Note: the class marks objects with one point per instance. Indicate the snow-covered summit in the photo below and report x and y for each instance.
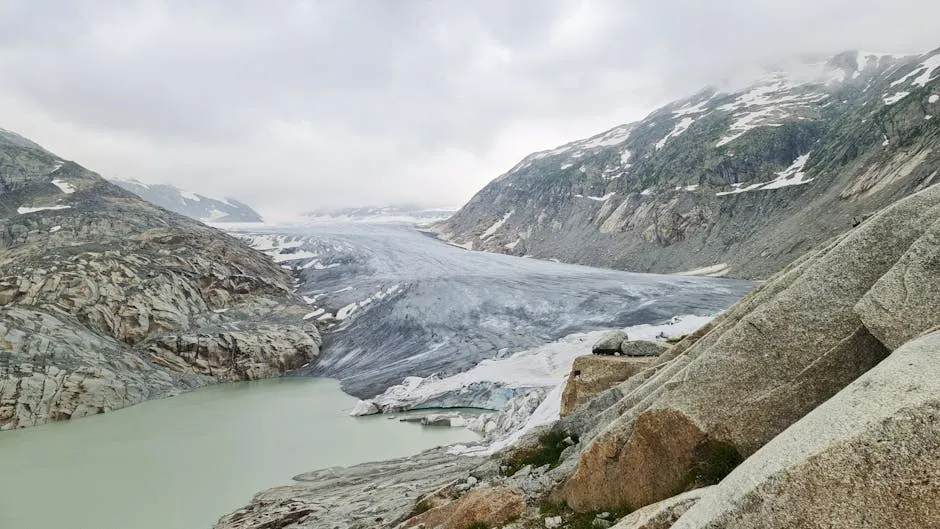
(199, 207)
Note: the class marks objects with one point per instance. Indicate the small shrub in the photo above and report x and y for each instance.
(546, 452)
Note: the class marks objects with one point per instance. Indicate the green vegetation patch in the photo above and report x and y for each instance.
(546, 452)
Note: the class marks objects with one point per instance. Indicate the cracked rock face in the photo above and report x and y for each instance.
(107, 300)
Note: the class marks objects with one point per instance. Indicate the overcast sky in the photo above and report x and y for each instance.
(290, 105)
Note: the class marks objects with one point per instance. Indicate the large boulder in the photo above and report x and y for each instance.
(610, 343)
(642, 348)
(906, 300)
(770, 360)
(487, 506)
(593, 374)
(867, 458)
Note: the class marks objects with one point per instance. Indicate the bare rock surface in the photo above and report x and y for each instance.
(593, 374)
(663, 514)
(107, 300)
(372, 495)
(869, 457)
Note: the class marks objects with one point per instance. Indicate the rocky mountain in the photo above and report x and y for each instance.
(190, 204)
(107, 300)
(725, 182)
(813, 402)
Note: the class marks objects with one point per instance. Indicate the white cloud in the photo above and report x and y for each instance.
(294, 104)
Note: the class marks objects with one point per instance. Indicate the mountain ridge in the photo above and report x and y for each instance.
(746, 181)
(192, 205)
(107, 300)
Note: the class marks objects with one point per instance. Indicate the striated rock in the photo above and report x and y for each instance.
(107, 300)
(770, 360)
(610, 344)
(867, 458)
(593, 374)
(906, 300)
(663, 514)
(643, 348)
(371, 495)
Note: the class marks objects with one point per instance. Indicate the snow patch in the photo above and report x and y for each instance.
(597, 199)
(25, 209)
(791, 176)
(64, 186)
(314, 314)
(55, 229)
(717, 270)
(496, 225)
(928, 67)
(680, 127)
(625, 158)
(894, 98)
(933, 98)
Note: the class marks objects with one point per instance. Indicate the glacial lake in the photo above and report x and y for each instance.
(182, 462)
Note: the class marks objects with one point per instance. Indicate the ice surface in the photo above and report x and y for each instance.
(456, 308)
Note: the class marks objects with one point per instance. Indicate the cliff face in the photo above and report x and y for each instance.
(107, 300)
(736, 183)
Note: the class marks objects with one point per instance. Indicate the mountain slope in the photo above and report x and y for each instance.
(190, 204)
(726, 183)
(107, 300)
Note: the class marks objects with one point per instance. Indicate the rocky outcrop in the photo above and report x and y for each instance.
(767, 362)
(663, 514)
(593, 374)
(484, 506)
(381, 494)
(610, 344)
(868, 457)
(642, 348)
(106, 300)
(735, 184)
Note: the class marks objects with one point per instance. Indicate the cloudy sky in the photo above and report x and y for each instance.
(294, 104)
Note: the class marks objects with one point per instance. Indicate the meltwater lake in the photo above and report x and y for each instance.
(183, 462)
